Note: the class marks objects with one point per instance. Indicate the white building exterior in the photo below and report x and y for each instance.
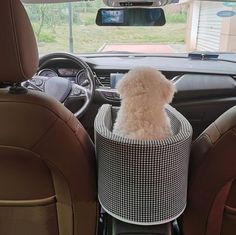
(206, 31)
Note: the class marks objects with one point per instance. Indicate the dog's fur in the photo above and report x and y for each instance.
(144, 93)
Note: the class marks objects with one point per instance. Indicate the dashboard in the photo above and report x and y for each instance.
(62, 72)
(73, 74)
(205, 88)
(193, 78)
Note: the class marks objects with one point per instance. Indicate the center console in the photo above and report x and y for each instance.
(115, 78)
(116, 227)
(109, 92)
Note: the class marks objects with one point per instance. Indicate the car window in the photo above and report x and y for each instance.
(190, 26)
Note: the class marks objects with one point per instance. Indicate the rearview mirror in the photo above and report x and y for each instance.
(130, 17)
(138, 3)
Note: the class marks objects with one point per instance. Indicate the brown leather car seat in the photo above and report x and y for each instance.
(211, 206)
(47, 163)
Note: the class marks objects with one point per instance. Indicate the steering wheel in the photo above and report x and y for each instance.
(63, 89)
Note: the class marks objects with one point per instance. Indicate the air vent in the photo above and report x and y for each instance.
(136, 4)
(105, 80)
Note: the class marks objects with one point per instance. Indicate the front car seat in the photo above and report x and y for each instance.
(47, 162)
(211, 206)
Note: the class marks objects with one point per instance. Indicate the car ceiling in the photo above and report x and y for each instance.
(58, 1)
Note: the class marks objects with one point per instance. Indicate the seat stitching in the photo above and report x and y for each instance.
(43, 135)
(28, 102)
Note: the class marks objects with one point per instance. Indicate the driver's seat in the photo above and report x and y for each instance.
(47, 163)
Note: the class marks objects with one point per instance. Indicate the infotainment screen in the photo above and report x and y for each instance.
(112, 16)
(115, 77)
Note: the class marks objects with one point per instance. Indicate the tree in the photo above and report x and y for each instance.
(42, 14)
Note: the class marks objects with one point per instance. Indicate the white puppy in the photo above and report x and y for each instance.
(144, 93)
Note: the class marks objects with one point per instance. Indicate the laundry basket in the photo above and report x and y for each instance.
(142, 182)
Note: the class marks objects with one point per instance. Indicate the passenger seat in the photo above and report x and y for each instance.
(211, 206)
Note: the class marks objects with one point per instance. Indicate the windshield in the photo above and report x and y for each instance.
(190, 26)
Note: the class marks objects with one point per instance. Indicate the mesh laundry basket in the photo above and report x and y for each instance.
(142, 182)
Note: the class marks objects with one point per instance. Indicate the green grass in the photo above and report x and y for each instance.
(47, 37)
(89, 37)
(176, 18)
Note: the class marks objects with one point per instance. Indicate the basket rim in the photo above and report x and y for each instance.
(102, 130)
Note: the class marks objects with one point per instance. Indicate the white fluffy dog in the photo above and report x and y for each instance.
(144, 93)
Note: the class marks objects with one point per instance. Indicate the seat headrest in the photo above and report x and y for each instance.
(18, 47)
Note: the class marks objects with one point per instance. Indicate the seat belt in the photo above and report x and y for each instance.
(64, 204)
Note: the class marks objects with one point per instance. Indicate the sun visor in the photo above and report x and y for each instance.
(52, 1)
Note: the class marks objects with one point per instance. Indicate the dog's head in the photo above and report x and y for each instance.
(146, 81)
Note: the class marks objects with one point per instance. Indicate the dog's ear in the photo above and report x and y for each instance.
(122, 86)
(168, 91)
(128, 85)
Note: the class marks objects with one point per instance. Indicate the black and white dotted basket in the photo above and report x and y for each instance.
(142, 182)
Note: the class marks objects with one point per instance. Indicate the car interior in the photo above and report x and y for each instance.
(49, 154)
